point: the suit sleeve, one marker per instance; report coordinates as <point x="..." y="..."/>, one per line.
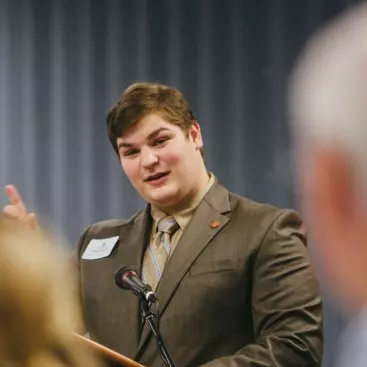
<point x="286" y="303"/>
<point x="75" y="268"/>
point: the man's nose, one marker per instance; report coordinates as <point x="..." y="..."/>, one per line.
<point x="148" y="158"/>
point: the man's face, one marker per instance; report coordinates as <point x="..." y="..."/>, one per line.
<point x="162" y="162"/>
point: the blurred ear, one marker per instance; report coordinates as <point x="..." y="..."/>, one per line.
<point x="332" y="192"/>
<point x="195" y="134"/>
<point x="338" y="228"/>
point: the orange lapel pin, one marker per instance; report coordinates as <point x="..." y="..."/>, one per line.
<point x="214" y="224"/>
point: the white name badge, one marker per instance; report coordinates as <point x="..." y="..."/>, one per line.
<point x="98" y="249"/>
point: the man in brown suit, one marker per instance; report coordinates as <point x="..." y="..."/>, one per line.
<point x="233" y="277"/>
<point x="237" y="288"/>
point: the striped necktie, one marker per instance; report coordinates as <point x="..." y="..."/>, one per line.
<point x="158" y="251"/>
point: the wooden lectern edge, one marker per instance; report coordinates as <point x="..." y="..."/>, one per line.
<point x="107" y="352"/>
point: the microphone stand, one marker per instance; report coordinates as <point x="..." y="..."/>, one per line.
<point x="153" y="320"/>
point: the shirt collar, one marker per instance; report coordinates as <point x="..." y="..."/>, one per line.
<point x="183" y="217"/>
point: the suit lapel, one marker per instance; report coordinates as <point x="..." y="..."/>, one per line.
<point x="132" y="244"/>
<point x="195" y="238"/>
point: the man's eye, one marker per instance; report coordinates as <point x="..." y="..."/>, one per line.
<point x="160" y="141"/>
<point x="130" y="153"/>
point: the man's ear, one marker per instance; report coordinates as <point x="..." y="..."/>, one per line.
<point x="332" y="190"/>
<point x="337" y="214"/>
<point x="195" y="135"/>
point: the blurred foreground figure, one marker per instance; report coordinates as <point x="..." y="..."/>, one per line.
<point x="328" y="105"/>
<point x="38" y="308"/>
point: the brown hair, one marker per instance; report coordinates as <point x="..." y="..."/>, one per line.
<point x="141" y="99"/>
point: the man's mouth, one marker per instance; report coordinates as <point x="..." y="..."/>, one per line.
<point x="157" y="176"/>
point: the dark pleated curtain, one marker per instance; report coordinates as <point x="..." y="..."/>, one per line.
<point x="64" y="62"/>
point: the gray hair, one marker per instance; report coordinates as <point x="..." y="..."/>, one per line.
<point x="328" y="88"/>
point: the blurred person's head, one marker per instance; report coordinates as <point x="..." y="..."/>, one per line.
<point x="38" y="305"/>
<point x="158" y="140"/>
<point x="328" y="110"/>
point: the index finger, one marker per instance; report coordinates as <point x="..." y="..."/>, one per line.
<point x="14" y="197"/>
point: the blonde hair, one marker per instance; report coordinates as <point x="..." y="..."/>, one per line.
<point x="38" y="305"/>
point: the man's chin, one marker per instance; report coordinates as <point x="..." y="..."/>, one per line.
<point x="162" y="197"/>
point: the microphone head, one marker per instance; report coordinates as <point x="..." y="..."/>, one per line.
<point x="121" y="273"/>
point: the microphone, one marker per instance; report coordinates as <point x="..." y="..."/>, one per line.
<point x="126" y="277"/>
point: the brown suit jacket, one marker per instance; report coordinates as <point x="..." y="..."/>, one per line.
<point x="242" y="294"/>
